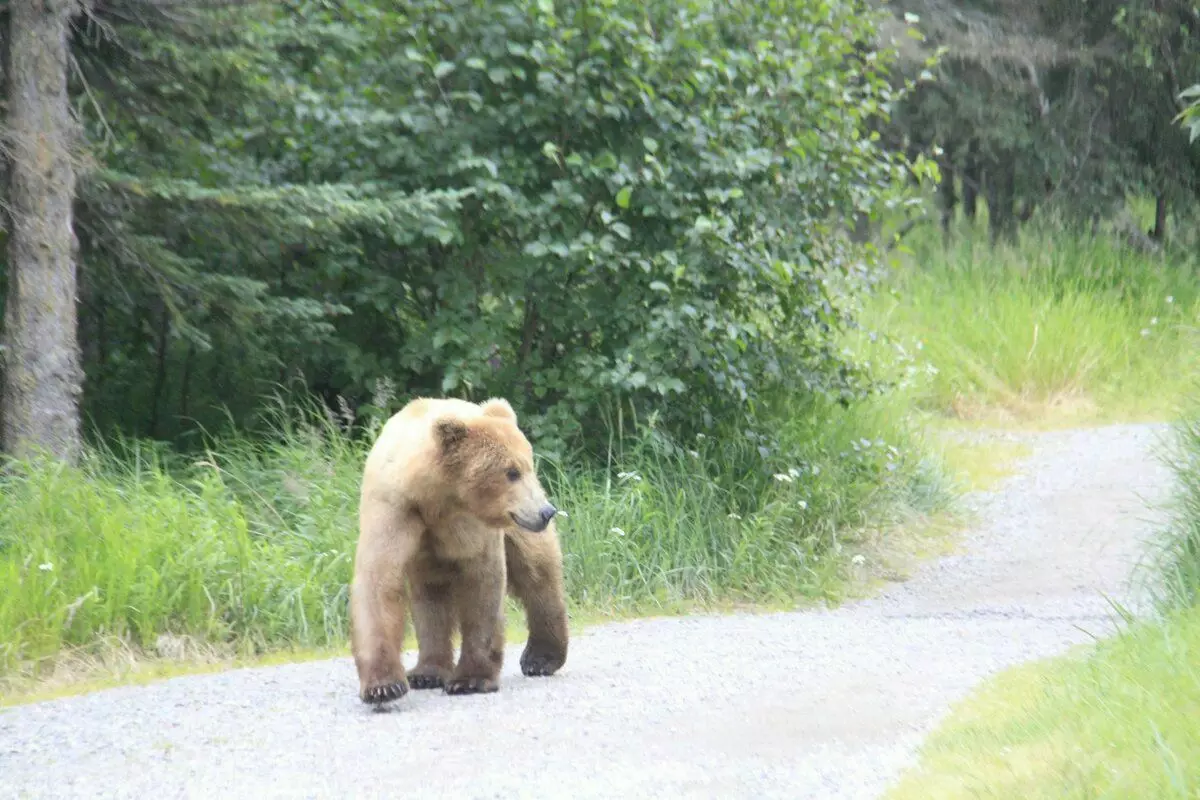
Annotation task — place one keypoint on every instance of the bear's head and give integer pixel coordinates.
(489, 463)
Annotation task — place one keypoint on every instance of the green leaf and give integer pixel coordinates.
(623, 197)
(443, 69)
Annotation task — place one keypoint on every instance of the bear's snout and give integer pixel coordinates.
(536, 523)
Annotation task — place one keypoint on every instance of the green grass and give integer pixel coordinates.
(1057, 329)
(248, 549)
(1122, 721)
(1177, 558)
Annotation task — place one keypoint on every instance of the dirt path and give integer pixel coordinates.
(816, 704)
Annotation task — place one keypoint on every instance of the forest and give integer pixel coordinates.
(735, 265)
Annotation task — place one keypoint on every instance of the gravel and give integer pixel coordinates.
(826, 703)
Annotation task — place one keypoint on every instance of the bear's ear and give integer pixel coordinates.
(499, 407)
(450, 431)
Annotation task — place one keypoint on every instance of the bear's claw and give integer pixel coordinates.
(471, 686)
(425, 682)
(385, 693)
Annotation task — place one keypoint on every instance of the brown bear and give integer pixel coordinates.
(451, 506)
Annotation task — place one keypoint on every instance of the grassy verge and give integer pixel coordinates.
(142, 563)
(1120, 722)
(1121, 719)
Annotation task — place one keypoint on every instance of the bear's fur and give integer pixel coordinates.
(451, 506)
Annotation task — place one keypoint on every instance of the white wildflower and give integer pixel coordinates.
(617, 531)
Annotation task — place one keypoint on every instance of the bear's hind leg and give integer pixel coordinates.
(479, 600)
(433, 620)
(535, 577)
(377, 599)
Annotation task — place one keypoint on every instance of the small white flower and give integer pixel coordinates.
(783, 477)
(1170, 299)
(734, 515)
(617, 531)
(1154, 320)
(46, 567)
(859, 559)
(803, 504)
(694, 454)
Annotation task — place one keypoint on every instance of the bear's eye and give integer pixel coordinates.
(514, 474)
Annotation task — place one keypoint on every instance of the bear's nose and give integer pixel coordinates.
(547, 513)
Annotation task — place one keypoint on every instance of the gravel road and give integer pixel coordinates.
(823, 704)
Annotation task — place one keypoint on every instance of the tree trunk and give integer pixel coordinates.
(1160, 218)
(972, 179)
(949, 198)
(999, 187)
(160, 368)
(39, 399)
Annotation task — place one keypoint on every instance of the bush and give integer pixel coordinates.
(575, 205)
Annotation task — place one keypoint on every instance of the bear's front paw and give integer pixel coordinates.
(420, 681)
(539, 660)
(471, 686)
(384, 692)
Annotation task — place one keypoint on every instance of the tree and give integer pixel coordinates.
(1031, 108)
(39, 399)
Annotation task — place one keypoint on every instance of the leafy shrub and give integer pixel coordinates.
(578, 205)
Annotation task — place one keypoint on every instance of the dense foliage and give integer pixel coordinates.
(1067, 106)
(591, 207)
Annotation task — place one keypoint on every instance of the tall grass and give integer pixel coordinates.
(1064, 323)
(250, 546)
(1177, 559)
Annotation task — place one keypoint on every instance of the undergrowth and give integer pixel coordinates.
(1176, 559)
(249, 546)
(1059, 328)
